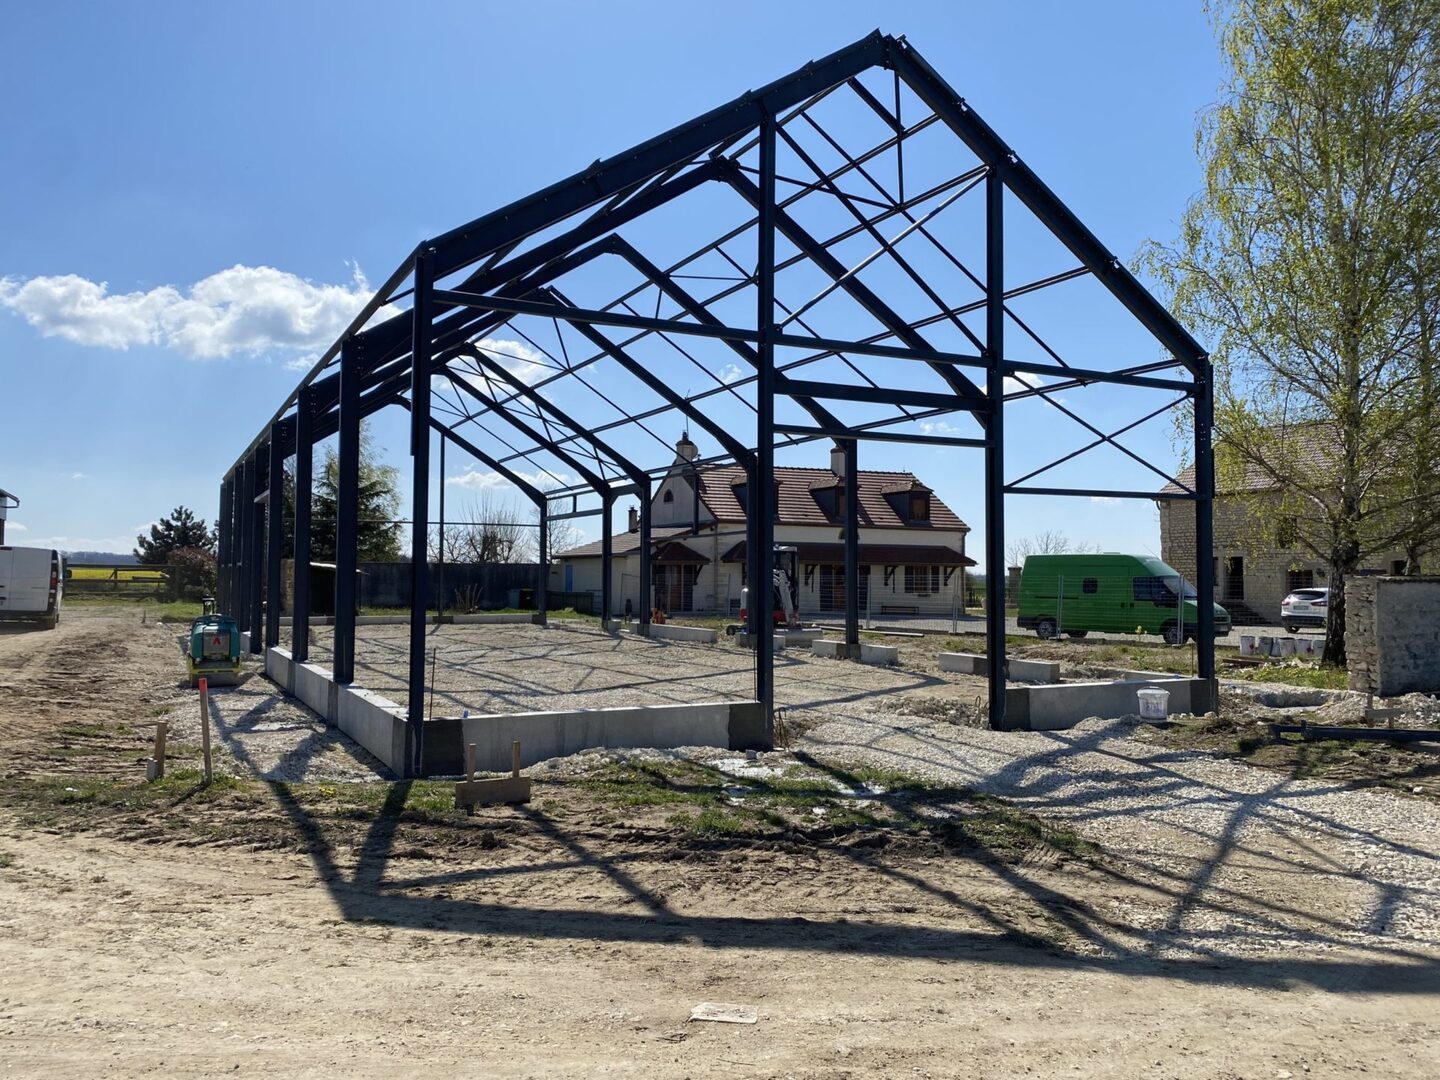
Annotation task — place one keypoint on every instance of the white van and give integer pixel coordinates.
(31, 585)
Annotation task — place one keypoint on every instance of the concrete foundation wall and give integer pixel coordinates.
(1051, 708)
(736, 725)
(375, 722)
(1393, 634)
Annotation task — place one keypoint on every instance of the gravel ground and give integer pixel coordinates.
(258, 732)
(1247, 860)
(489, 669)
(1247, 852)
(975, 624)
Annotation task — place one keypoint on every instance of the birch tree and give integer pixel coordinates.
(1298, 261)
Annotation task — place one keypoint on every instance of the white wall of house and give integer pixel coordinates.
(717, 588)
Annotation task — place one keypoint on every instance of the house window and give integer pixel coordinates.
(839, 502)
(922, 579)
(1090, 586)
(919, 506)
(1287, 531)
(1397, 568)
(668, 497)
(1299, 579)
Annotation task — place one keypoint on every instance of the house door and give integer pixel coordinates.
(832, 587)
(1234, 578)
(569, 577)
(674, 587)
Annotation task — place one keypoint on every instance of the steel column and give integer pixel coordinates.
(440, 535)
(645, 588)
(542, 545)
(274, 534)
(244, 511)
(995, 446)
(1204, 533)
(419, 506)
(222, 545)
(852, 547)
(606, 546)
(347, 510)
(255, 546)
(762, 495)
(304, 482)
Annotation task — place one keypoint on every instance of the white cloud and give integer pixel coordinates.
(79, 476)
(15, 526)
(245, 309)
(525, 362)
(1015, 383)
(731, 373)
(485, 480)
(302, 363)
(1103, 499)
(938, 427)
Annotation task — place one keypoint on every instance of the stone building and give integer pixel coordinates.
(1252, 573)
(912, 546)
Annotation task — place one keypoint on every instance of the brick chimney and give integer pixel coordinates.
(634, 519)
(837, 461)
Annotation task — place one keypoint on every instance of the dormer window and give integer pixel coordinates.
(919, 506)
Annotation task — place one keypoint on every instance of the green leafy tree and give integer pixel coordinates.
(1299, 260)
(182, 529)
(379, 533)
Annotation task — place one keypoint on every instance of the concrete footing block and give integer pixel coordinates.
(1038, 671)
(674, 632)
(879, 654)
(835, 650)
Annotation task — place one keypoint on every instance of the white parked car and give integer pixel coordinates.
(1304, 607)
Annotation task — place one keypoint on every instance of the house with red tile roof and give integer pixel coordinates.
(912, 546)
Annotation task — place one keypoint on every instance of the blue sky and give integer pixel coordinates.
(241, 175)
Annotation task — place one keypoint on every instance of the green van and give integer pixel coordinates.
(1119, 594)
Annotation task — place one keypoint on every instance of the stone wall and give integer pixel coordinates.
(1265, 569)
(1392, 639)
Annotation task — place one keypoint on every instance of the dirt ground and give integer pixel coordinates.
(308, 929)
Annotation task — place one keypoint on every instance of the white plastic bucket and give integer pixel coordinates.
(1247, 645)
(1287, 646)
(1305, 646)
(1154, 704)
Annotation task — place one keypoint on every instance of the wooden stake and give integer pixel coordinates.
(205, 727)
(155, 767)
(470, 761)
(515, 758)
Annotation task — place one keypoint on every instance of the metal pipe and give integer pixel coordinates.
(852, 545)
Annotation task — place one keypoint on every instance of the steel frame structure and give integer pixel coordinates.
(515, 270)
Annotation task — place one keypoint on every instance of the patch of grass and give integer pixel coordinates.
(1005, 831)
(156, 610)
(1316, 676)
